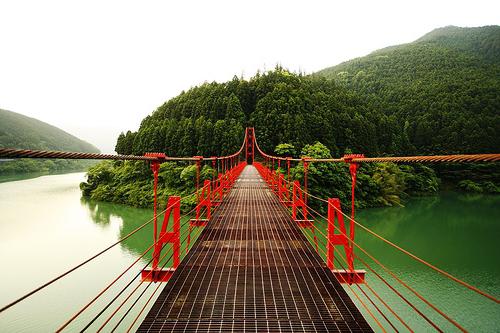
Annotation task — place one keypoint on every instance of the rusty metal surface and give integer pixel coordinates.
(253, 270)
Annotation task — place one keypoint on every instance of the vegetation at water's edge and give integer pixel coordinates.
(379, 184)
(131, 182)
(21, 132)
(438, 95)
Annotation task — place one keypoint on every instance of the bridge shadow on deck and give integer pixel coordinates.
(252, 270)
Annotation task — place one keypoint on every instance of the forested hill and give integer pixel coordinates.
(284, 108)
(438, 95)
(19, 131)
(443, 90)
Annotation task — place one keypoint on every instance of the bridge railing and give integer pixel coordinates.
(337, 235)
(177, 229)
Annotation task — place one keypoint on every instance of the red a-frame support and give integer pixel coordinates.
(166, 237)
(348, 275)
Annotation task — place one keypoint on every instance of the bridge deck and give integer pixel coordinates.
(252, 269)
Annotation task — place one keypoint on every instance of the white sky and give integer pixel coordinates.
(96, 68)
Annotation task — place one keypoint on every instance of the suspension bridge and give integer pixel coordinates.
(260, 262)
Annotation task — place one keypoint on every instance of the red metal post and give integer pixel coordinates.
(173, 237)
(288, 166)
(298, 202)
(155, 167)
(353, 168)
(205, 202)
(249, 146)
(340, 239)
(214, 163)
(305, 161)
(198, 167)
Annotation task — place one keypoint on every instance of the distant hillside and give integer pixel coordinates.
(442, 92)
(18, 131)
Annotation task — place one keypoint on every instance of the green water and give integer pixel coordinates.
(46, 228)
(459, 233)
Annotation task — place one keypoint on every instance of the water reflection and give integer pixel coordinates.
(129, 218)
(455, 231)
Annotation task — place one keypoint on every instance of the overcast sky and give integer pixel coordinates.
(96, 68)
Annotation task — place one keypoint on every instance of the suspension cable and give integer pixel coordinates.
(133, 279)
(416, 293)
(135, 289)
(399, 294)
(147, 302)
(366, 283)
(113, 282)
(76, 267)
(400, 281)
(413, 256)
(437, 269)
(359, 287)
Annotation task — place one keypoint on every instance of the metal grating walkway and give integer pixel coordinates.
(253, 270)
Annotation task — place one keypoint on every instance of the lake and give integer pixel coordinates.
(47, 228)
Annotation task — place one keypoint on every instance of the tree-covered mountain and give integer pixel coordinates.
(439, 94)
(19, 131)
(22, 132)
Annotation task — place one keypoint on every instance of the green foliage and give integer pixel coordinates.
(131, 183)
(378, 184)
(440, 94)
(285, 150)
(468, 185)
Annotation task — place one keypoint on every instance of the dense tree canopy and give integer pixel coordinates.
(440, 94)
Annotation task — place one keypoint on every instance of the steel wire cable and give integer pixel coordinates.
(170, 250)
(197, 271)
(365, 283)
(382, 279)
(311, 239)
(7, 153)
(357, 274)
(144, 306)
(77, 266)
(455, 158)
(109, 318)
(416, 293)
(143, 290)
(399, 294)
(356, 295)
(113, 282)
(413, 256)
(409, 303)
(109, 285)
(147, 302)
